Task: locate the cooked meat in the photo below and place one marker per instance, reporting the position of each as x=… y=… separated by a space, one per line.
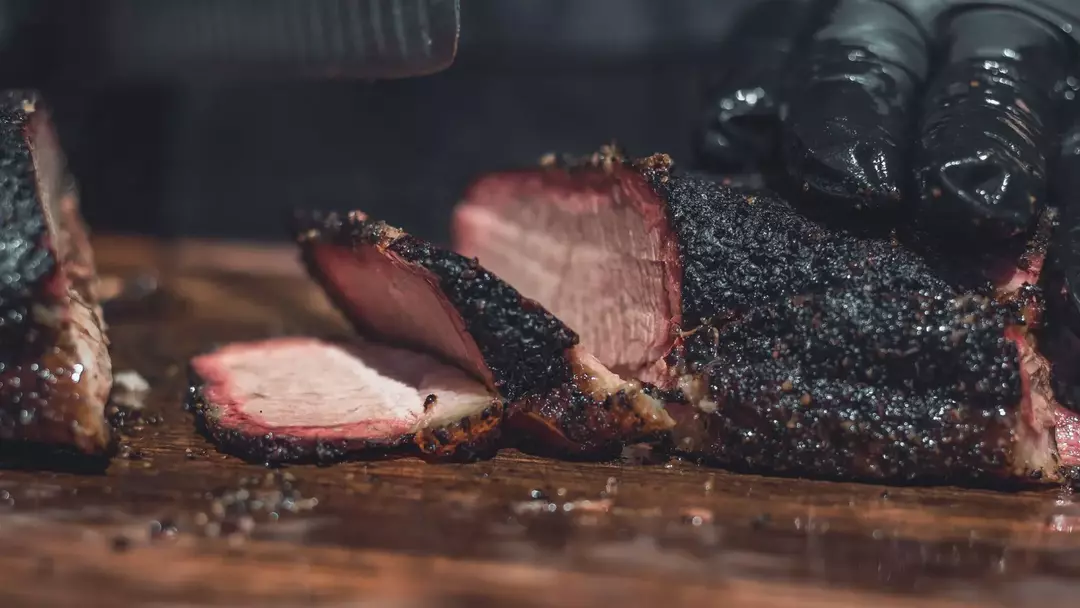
x=55 y=370
x=401 y=291
x=326 y=401
x=800 y=349
x=596 y=251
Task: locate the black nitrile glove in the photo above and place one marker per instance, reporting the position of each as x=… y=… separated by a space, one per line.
x=945 y=111
x=956 y=119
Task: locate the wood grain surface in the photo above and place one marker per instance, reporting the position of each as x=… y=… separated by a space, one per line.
x=172 y=522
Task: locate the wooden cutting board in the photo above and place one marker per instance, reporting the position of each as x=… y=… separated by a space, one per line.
x=171 y=522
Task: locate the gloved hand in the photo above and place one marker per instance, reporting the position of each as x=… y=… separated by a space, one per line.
x=956 y=118
x=950 y=112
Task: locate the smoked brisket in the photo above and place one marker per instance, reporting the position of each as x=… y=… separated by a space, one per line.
x=788 y=347
x=400 y=290
x=521 y=377
x=55 y=370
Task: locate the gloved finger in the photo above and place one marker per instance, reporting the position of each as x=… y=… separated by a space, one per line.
x=741 y=117
x=850 y=105
x=990 y=122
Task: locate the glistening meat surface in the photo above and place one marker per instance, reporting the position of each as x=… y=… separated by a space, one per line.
x=802 y=349
x=55 y=369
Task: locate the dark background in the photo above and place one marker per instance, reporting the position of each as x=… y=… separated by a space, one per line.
x=531 y=76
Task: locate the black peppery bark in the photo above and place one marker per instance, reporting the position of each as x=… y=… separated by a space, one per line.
x=829 y=355
x=906 y=388
x=521 y=343
x=28 y=260
x=808 y=349
x=555 y=403
x=55 y=370
x=743 y=250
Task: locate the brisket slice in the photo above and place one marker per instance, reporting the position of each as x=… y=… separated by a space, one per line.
x=55 y=370
x=795 y=348
x=594 y=247
x=326 y=401
x=401 y=291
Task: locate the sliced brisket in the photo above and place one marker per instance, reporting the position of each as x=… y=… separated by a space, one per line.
x=402 y=291
x=55 y=370
x=326 y=401
x=788 y=347
x=594 y=247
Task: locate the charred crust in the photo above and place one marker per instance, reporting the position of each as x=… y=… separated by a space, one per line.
x=741 y=251
x=567 y=423
x=608 y=159
x=526 y=349
x=29 y=261
x=833 y=355
x=903 y=341
x=467 y=439
x=46 y=279
x=522 y=344
x=856 y=433
x=697 y=349
x=472 y=437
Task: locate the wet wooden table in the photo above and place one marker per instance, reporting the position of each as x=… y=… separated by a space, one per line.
x=172 y=522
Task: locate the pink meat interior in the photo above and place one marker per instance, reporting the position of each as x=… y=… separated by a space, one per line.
x=399 y=303
x=595 y=248
x=310 y=389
